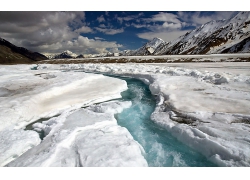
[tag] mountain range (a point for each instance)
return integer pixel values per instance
(219, 36)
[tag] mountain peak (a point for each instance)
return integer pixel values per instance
(64, 55)
(152, 45)
(157, 39)
(217, 36)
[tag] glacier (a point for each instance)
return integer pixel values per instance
(203, 105)
(207, 110)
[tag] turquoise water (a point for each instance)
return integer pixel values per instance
(162, 149)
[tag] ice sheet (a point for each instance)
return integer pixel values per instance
(206, 106)
(29, 95)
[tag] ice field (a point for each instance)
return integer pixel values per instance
(89, 119)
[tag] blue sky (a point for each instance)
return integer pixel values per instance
(98, 31)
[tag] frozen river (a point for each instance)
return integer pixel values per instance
(191, 114)
(162, 149)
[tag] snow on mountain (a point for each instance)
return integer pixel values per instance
(152, 45)
(149, 47)
(212, 37)
(243, 47)
(217, 36)
(66, 54)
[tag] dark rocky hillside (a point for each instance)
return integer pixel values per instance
(11, 54)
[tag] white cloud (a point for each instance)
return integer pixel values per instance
(114, 50)
(129, 18)
(164, 17)
(98, 38)
(168, 30)
(102, 26)
(165, 35)
(34, 29)
(140, 25)
(199, 18)
(95, 46)
(101, 19)
(171, 25)
(110, 31)
(80, 45)
(51, 32)
(84, 29)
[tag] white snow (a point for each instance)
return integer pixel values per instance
(206, 106)
(13, 143)
(29, 95)
(85, 138)
(152, 45)
(174, 58)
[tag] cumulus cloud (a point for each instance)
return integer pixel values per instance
(110, 31)
(51, 32)
(199, 18)
(97, 46)
(99, 38)
(139, 25)
(168, 26)
(163, 25)
(164, 17)
(101, 19)
(84, 29)
(165, 35)
(172, 25)
(80, 45)
(128, 17)
(114, 50)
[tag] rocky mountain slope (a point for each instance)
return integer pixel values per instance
(9, 54)
(220, 36)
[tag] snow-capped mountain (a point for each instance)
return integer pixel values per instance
(150, 47)
(68, 55)
(65, 54)
(220, 36)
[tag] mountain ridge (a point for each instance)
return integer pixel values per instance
(10, 53)
(217, 36)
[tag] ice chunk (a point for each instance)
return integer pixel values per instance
(16, 142)
(85, 138)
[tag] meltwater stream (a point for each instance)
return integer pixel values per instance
(162, 149)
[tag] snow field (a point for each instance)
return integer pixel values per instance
(207, 110)
(28, 95)
(86, 138)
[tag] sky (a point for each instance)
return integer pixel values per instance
(94, 32)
